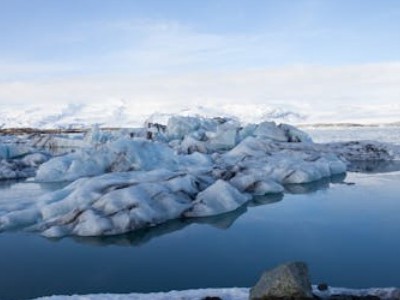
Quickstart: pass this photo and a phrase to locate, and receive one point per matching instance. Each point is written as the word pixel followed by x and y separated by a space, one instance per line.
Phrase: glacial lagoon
pixel 345 228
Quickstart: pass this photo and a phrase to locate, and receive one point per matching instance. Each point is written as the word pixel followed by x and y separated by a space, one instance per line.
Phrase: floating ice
pixel 19 161
pixel 121 155
pixel 219 198
pixel 193 167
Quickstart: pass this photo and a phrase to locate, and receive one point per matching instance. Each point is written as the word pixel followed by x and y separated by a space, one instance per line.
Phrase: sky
pixel 335 59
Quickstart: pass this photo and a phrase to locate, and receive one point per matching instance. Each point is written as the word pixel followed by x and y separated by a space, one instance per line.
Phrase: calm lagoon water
pixel 345 228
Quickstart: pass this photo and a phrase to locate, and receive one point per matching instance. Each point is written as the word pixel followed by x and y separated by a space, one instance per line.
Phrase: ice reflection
pixel 223 221
pixel 16 189
pixel 346 234
pixel 312 187
pixel 143 236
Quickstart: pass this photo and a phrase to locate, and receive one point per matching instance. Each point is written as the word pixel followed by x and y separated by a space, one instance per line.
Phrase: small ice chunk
pixel 337 167
pixel 243 181
pixel 35 159
pixel 195 159
pixel 223 140
pixel 190 145
pixel 221 197
pixel 13 151
pixel 267 187
pixel 55 232
pixel 302 175
pixel 19 219
pixel 269 130
pixel 178 127
pixel 294 134
pixel 250 146
pixel 91 224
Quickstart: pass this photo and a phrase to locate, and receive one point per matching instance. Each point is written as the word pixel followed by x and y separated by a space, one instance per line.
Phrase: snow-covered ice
pixel 224 293
pixel 118 156
pixel 228 294
pixel 19 161
pixel 188 167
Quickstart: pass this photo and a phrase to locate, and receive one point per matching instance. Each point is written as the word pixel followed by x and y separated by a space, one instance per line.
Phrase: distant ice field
pixel 342 134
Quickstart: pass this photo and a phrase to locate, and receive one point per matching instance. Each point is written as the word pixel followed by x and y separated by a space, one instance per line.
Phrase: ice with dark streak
pixel 190 167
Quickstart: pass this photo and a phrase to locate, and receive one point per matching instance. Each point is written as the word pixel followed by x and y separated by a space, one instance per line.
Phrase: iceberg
pixel 121 155
pixel 19 161
pixel 192 167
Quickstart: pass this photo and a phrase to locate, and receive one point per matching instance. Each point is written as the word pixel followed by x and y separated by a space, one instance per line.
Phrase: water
pixel 345 228
pixel 343 134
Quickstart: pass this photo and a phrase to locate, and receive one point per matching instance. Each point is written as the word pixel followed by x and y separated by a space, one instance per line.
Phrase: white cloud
pixel 167 46
pixel 10 70
pixel 349 93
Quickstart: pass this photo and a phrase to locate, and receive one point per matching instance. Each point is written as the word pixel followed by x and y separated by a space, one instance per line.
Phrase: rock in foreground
pixel 288 281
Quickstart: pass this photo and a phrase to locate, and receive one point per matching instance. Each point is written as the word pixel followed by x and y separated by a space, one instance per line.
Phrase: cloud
pixel 165 46
pixel 10 70
pixel 140 46
pixel 348 93
pixel 163 65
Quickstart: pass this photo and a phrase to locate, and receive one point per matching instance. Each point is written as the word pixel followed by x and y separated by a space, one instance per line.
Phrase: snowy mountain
pixel 123 114
pixel 69 116
pixel 120 114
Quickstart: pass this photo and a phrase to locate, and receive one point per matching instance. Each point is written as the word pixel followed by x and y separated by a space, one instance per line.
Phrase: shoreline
pixel 233 293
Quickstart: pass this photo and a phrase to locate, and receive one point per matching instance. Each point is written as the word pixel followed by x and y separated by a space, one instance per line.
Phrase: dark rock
pixel 395 294
pixel 322 287
pixel 288 281
pixel 211 298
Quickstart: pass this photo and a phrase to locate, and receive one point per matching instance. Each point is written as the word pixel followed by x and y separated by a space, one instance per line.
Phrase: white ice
pixel 19 161
pixel 227 294
pixel 193 167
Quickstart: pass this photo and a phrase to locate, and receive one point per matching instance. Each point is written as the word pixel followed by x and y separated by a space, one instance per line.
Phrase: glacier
pixel 187 167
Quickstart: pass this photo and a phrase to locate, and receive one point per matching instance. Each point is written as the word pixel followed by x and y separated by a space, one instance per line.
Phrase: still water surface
pixel 346 229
